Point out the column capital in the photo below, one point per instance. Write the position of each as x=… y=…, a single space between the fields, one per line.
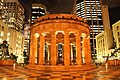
x=43 y=34
x=66 y=32
x=83 y=35
x=36 y=35
x=88 y=37
x=31 y=35
x=56 y=32
x=78 y=33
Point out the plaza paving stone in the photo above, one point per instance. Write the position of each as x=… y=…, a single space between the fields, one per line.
x=21 y=73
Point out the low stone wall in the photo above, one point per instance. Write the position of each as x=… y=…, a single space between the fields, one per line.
x=113 y=62
x=6 y=62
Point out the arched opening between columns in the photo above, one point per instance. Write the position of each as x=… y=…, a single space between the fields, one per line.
x=60 y=48
x=72 y=49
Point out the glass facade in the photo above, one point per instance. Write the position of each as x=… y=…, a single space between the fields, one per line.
x=13 y=14
x=1 y=8
x=37 y=11
x=91 y=11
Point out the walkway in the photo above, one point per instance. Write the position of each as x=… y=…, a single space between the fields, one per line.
x=21 y=73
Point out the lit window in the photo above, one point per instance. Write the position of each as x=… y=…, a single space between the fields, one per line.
x=0 y=40
x=2 y=33
x=35 y=7
x=119 y=39
x=16 y=45
x=8 y=34
x=8 y=39
x=117 y=27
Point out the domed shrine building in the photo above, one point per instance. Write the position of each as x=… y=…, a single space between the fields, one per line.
x=58 y=42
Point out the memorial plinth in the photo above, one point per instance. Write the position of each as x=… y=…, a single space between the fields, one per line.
x=59 y=41
x=7 y=62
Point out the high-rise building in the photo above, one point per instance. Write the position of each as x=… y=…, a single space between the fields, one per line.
x=27 y=36
x=104 y=40
x=37 y=11
x=14 y=38
x=16 y=42
x=13 y=14
x=3 y=32
x=91 y=11
x=1 y=8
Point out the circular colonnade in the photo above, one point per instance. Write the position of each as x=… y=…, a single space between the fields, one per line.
x=60 y=40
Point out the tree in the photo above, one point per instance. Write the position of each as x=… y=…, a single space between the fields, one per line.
x=115 y=50
x=26 y=58
x=4 y=50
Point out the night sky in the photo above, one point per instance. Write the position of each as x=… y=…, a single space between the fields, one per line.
x=66 y=6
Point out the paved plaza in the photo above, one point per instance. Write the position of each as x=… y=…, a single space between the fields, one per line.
x=21 y=73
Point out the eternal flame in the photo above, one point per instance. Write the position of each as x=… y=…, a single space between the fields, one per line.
x=59 y=41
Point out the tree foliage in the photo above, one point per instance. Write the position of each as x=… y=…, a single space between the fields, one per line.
x=4 y=49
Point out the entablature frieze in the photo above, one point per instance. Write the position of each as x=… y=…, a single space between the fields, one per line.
x=60 y=22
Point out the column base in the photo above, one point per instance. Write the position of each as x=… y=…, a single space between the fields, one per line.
x=60 y=67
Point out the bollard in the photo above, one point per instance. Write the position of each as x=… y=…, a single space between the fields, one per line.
x=14 y=66
x=106 y=66
x=115 y=62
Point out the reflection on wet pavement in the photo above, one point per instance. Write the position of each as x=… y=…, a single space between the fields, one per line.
x=21 y=73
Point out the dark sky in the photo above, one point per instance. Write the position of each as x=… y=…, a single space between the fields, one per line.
x=65 y=6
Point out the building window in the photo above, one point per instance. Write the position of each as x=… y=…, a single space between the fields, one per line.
x=2 y=28
x=117 y=27
x=0 y=40
x=8 y=34
x=8 y=39
x=119 y=39
x=2 y=33
x=118 y=34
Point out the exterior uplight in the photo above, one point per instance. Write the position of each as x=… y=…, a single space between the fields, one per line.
x=36 y=35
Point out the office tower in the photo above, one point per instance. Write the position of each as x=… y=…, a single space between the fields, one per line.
x=104 y=40
x=27 y=37
x=1 y=8
x=37 y=11
x=3 y=32
x=91 y=11
x=16 y=42
x=14 y=39
x=13 y=14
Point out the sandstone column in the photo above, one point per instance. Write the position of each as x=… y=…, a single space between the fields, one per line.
x=78 y=50
x=31 y=43
x=33 y=49
x=41 y=50
x=53 y=49
x=89 y=51
x=86 y=46
x=66 y=49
